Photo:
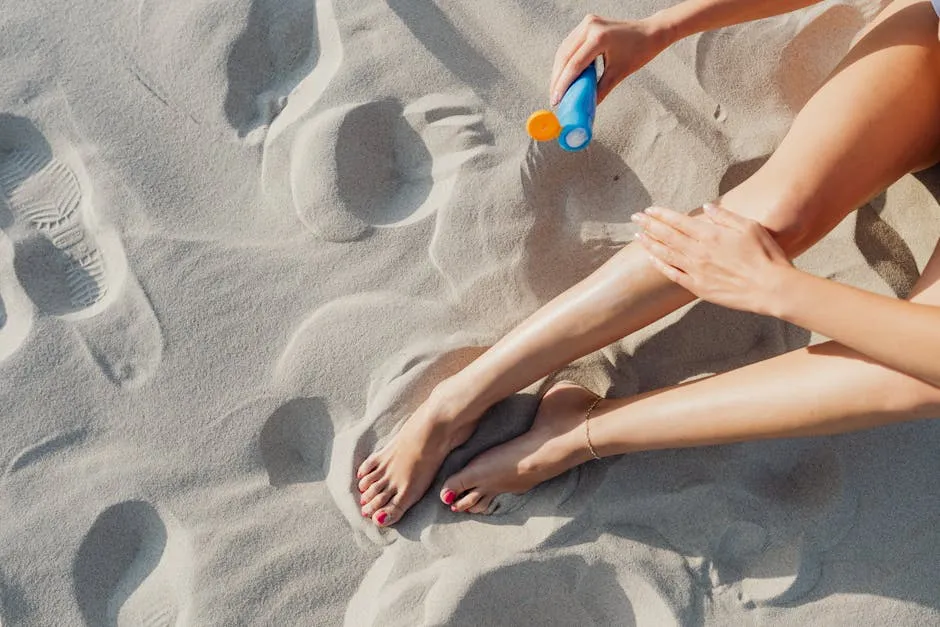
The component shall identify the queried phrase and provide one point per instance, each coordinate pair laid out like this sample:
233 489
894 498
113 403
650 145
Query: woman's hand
626 46
726 259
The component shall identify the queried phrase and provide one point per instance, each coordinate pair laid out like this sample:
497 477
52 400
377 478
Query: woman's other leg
819 390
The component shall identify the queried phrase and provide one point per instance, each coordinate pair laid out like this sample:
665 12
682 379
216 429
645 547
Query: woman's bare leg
819 390
848 143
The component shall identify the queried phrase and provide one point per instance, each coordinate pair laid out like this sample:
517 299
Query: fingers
567 48
585 44
753 228
582 58
720 215
658 255
605 85
662 252
695 229
664 232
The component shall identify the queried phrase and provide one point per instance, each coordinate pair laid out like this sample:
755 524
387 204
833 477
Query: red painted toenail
363 501
381 518
365 515
360 490
449 496
453 509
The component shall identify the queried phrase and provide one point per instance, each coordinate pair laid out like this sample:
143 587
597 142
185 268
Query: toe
366 482
391 513
455 486
482 505
367 466
373 491
377 502
467 501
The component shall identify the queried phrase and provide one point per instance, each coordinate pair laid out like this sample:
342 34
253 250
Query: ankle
452 403
569 432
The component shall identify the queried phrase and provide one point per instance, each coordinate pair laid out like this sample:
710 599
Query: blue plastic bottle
573 121
576 111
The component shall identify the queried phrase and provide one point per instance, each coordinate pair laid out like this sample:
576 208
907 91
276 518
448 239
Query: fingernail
555 99
449 496
381 518
639 217
652 211
710 208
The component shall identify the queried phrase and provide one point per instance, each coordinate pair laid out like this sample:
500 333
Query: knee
788 220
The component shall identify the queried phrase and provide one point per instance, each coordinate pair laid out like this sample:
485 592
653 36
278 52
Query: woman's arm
697 16
627 45
732 261
902 335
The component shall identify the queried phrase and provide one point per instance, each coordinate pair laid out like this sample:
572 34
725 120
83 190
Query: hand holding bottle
625 45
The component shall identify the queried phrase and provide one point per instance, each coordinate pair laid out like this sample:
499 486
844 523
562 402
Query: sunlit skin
847 144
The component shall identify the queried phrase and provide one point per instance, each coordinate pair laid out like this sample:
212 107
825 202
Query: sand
241 241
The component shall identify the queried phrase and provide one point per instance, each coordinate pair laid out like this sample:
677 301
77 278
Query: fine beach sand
241 240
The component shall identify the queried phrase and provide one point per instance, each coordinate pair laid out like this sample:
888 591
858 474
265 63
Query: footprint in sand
478 574
45 448
295 442
572 590
134 567
374 164
347 329
44 192
386 165
323 65
754 522
16 312
807 508
224 64
69 264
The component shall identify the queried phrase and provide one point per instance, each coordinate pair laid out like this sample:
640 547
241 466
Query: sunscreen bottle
572 121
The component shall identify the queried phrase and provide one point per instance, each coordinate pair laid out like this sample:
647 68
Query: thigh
875 118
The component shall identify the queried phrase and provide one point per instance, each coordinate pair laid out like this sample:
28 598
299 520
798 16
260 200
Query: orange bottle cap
543 126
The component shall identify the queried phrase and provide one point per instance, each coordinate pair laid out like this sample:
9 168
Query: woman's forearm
696 16
902 335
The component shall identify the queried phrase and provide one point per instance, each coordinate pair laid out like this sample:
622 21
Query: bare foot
555 443
394 478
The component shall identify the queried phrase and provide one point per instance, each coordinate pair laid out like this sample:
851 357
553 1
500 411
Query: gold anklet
587 426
